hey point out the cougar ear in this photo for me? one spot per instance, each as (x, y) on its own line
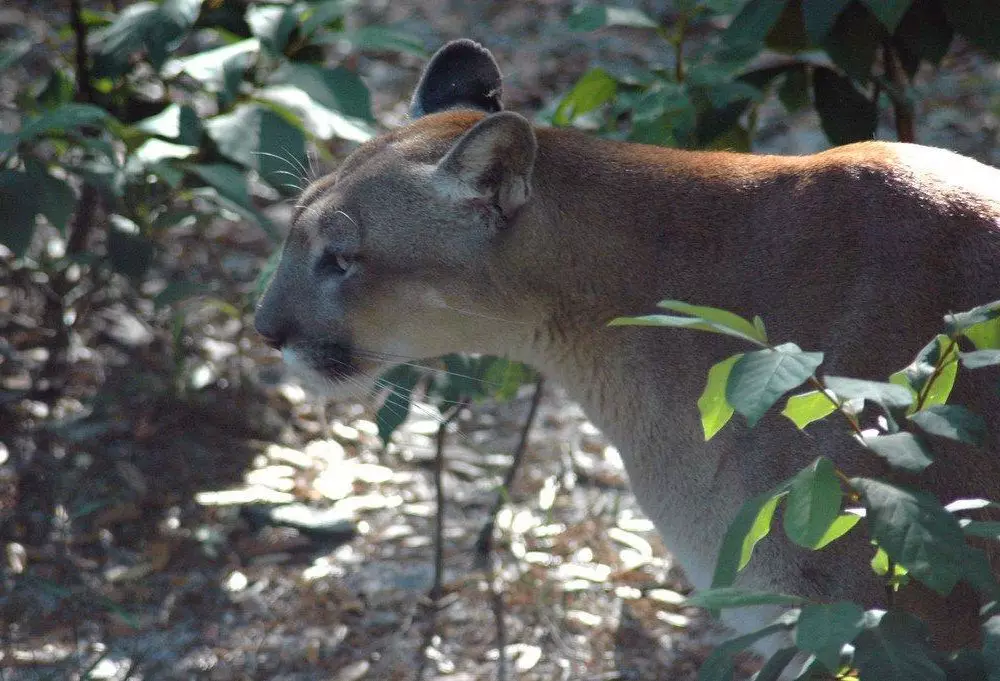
(462, 74)
(493, 160)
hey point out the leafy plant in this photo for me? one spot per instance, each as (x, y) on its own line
(171, 113)
(845, 57)
(916, 536)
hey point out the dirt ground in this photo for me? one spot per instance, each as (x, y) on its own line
(211, 520)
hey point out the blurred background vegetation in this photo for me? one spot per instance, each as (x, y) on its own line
(171, 506)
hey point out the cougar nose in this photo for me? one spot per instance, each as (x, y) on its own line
(272, 334)
(275, 343)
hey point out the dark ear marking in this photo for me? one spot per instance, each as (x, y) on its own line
(461, 75)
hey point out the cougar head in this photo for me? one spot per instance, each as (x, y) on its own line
(395, 257)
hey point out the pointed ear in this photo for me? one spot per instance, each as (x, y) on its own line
(494, 161)
(462, 74)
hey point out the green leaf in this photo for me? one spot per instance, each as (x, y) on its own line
(924, 34)
(62, 119)
(886, 394)
(178, 122)
(338, 88)
(846, 114)
(854, 42)
(210, 68)
(719, 665)
(813, 503)
(807, 408)
(379, 39)
(593, 17)
(980, 358)
(716, 316)
(904, 451)
(11, 52)
(504, 377)
(228, 180)
(880, 566)
(843, 524)
(272, 25)
(916, 532)
(824, 629)
(896, 649)
(396, 407)
(888, 12)
(594, 88)
(715, 411)
(820, 15)
(916, 375)
(322, 14)
(751, 26)
(20, 206)
(984, 335)
(142, 27)
(752, 523)
(732, 597)
(761, 377)
(258, 138)
(960, 321)
(954, 422)
(977, 20)
(775, 665)
(673, 321)
(317, 119)
(794, 90)
(991, 647)
(988, 529)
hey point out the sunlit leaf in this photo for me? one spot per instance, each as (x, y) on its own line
(732, 597)
(807, 408)
(752, 523)
(593, 89)
(716, 316)
(843, 524)
(592, 17)
(715, 411)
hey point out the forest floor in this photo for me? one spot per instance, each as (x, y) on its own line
(184, 510)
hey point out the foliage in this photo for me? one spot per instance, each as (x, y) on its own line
(847, 57)
(183, 110)
(916, 536)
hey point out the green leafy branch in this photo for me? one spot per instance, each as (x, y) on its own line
(915, 536)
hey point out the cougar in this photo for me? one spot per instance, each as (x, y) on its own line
(470, 230)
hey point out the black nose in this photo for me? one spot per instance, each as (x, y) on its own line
(275, 343)
(274, 337)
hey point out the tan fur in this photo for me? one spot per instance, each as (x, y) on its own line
(857, 252)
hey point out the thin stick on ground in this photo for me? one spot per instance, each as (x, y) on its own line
(496, 595)
(484, 544)
(437, 587)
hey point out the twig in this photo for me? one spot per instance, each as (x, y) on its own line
(902, 108)
(496, 595)
(484, 544)
(437, 587)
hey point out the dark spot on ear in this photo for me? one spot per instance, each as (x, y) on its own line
(461, 75)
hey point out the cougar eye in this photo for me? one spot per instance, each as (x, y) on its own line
(334, 263)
